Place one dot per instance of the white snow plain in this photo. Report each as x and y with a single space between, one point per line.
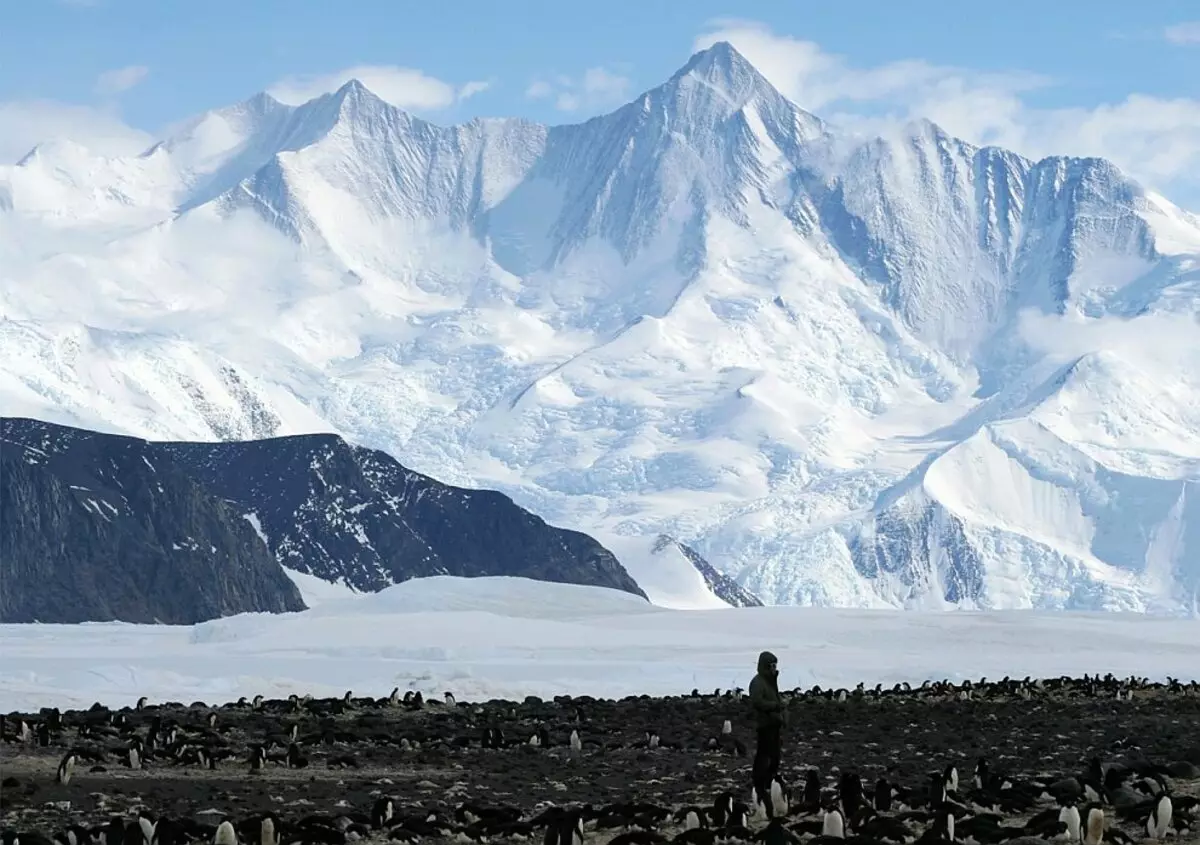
706 314
510 637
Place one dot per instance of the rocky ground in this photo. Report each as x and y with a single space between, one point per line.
433 757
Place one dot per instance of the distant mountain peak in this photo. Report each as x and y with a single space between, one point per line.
721 65
721 69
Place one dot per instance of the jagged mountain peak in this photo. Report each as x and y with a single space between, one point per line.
722 67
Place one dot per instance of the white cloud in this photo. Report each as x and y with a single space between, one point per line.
1183 33
403 87
1155 140
1162 341
596 89
25 124
119 80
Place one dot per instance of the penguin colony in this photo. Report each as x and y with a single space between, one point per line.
1012 762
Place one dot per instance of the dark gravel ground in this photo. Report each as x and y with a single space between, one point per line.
432 757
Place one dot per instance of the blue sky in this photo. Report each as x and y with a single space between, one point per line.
1104 77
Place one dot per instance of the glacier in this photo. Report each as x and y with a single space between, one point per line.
898 371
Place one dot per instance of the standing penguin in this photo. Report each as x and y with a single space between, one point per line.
1159 822
225 835
66 768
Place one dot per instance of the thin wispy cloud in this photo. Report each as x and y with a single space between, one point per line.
1154 139
1183 33
120 80
598 87
405 88
25 124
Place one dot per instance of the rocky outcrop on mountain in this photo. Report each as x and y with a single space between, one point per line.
345 513
96 527
719 584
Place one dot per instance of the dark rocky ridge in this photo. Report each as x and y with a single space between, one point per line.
339 511
97 527
721 585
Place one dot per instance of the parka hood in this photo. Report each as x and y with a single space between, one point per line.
765 660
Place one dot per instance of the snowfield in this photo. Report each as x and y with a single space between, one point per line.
511 637
895 372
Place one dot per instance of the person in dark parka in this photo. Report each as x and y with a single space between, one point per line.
770 718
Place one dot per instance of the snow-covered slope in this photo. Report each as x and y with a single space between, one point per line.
482 638
899 371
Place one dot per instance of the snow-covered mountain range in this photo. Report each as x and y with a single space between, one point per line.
898 371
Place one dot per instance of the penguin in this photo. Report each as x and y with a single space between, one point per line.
147 825
268 831
850 794
726 728
294 759
1069 815
1093 833
394 698
833 824
779 801
74 835
382 812
951 778
113 833
448 697
66 768
1159 822
257 702
258 758
225 834
565 830
43 734
133 757
881 799
141 704
169 832
576 744
722 809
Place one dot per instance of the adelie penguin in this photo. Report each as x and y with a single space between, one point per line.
133 754
148 827
1159 823
225 834
1093 831
66 768
1069 816
833 824
565 830
382 812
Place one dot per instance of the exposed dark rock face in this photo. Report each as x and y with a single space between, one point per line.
96 527
339 511
722 586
